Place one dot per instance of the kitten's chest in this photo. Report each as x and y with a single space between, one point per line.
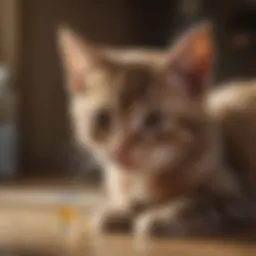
139 190
147 189
128 188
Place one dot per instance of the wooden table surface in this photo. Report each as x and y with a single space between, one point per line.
38 229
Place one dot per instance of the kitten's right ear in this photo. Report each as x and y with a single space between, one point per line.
191 60
78 58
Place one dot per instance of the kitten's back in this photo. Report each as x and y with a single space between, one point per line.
234 106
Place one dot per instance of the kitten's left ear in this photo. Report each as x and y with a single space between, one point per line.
191 60
79 58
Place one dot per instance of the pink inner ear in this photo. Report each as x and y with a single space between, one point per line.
76 78
190 76
192 69
81 66
197 82
78 83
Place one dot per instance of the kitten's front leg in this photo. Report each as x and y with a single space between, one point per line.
182 217
117 213
162 217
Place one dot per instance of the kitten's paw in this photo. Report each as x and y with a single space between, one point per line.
180 224
144 225
161 221
148 225
112 220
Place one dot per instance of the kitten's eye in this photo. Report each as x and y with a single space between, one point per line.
153 120
102 120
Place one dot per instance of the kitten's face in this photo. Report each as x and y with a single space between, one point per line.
138 110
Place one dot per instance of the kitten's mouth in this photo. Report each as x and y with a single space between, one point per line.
144 159
131 159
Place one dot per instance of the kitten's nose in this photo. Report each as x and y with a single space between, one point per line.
121 153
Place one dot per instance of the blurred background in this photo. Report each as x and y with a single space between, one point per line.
36 141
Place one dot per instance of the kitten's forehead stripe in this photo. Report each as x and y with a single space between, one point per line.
136 85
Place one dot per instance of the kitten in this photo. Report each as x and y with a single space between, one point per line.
142 114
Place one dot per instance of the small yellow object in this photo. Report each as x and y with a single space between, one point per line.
68 213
